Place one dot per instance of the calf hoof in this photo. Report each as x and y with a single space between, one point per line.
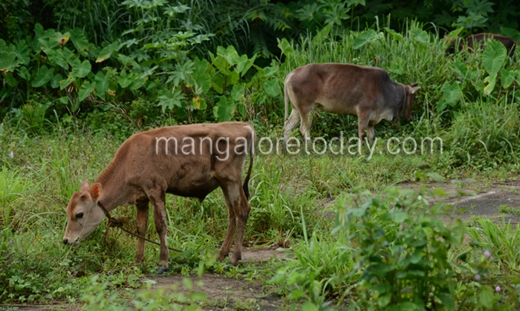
235 258
161 269
222 256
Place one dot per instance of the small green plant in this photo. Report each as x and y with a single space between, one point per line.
401 252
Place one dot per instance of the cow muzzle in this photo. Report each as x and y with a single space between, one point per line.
68 242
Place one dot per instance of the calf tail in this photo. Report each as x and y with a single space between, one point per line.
286 99
248 176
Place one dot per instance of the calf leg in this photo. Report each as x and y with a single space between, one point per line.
305 125
142 226
290 124
238 214
157 197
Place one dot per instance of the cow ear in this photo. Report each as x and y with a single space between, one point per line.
95 191
85 186
414 88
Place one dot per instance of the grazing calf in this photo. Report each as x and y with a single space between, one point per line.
190 161
474 42
365 92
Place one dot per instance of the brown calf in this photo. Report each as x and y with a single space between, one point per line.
474 42
366 92
190 161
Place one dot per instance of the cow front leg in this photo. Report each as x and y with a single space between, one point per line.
142 226
159 214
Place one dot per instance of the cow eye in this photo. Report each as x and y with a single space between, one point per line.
79 215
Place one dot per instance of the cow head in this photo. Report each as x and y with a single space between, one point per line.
83 213
409 96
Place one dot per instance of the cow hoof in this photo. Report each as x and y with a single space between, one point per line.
222 256
161 269
235 258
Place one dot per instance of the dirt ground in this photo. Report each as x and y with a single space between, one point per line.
234 294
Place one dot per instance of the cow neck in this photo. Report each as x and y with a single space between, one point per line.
111 188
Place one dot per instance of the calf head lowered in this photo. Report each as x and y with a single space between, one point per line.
83 213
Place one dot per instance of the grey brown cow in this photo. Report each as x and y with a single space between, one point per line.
474 42
190 161
365 92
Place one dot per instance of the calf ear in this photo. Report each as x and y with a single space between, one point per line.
85 186
414 89
95 191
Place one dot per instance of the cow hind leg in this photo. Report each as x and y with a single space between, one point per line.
305 126
142 226
290 124
238 214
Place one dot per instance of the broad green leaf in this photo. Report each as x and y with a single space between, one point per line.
43 76
64 100
223 111
80 41
286 47
452 93
66 82
199 103
201 82
237 92
200 65
269 71
309 306
272 87
232 78
102 83
217 82
384 300
137 83
229 54
322 35
399 217
405 306
107 51
494 56
363 38
84 91
486 297
7 57
491 80
455 33
55 81
420 35
447 302
395 35
22 53
222 65
508 77
124 79
244 63
82 70
11 80
24 73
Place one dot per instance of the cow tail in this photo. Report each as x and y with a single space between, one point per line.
250 169
286 99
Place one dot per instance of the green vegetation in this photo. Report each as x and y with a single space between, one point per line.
75 86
